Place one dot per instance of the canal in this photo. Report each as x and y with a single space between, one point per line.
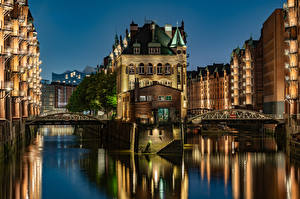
57 164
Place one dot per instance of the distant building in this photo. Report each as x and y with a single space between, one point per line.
209 89
73 77
246 76
69 77
55 96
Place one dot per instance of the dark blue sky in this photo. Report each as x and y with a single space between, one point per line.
76 33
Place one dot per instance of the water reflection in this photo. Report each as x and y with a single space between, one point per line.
21 176
60 165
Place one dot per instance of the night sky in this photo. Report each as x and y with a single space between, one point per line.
76 33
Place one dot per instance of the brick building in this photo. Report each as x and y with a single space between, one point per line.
291 24
246 76
209 88
150 55
273 41
19 61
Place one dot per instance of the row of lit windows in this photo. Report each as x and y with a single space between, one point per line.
160 98
150 69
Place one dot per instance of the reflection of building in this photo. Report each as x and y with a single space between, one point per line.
22 178
19 61
246 76
150 54
56 95
209 88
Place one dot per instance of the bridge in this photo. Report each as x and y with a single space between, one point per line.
64 118
232 116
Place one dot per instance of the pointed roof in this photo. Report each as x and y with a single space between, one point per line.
177 39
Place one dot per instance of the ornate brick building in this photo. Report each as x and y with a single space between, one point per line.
153 59
246 76
209 88
19 61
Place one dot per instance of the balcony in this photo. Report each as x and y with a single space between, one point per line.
7 5
6 28
21 18
6 52
15 69
290 4
21 2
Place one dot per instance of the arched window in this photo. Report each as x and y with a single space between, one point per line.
150 69
168 69
141 68
131 69
159 69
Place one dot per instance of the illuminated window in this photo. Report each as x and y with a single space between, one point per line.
159 69
161 98
150 69
141 68
66 77
143 98
168 98
168 69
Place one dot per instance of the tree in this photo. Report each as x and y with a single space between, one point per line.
94 93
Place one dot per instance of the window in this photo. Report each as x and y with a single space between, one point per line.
149 98
150 69
141 68
163 114
143 99
131 85
168 98
136 51
154 51
168 69
66 77
178 79
161 98
131 69
159 69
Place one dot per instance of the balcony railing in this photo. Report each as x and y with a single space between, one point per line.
7 5
15 69
21 2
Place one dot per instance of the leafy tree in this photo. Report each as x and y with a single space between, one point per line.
94 93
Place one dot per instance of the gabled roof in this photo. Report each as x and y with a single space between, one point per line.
177 39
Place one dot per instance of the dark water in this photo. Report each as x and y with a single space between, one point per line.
60 165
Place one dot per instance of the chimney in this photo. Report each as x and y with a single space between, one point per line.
168 30
133 29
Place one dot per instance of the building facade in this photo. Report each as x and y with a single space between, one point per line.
273 36
291 23
246 76
55 96
150 56
20 87
209 89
